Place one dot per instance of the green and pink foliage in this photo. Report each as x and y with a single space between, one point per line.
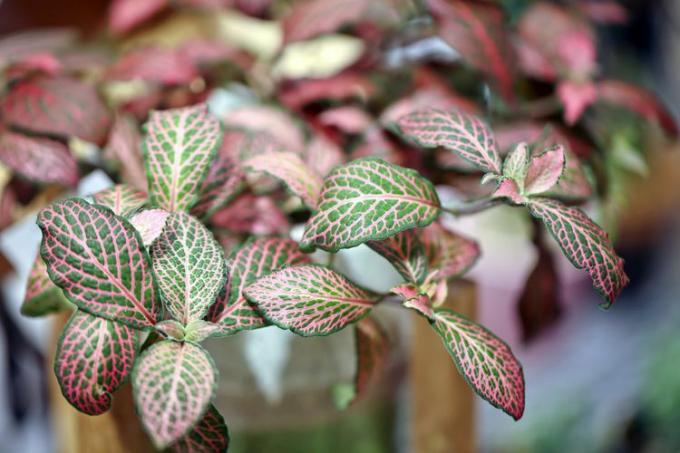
460 133
310 300
189 267
179 148
173 384
98 260
413 296
256 258
39 160
369 199
449 254
276 123
406 253
123 200
94 357
209 435
484 360
42 296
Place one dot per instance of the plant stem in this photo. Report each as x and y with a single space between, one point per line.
473 207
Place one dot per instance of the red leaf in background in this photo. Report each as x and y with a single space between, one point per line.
124 148
308 19
253 7
43 62
296 94
154 64
477 32
124 15
59 106
348 119
262 118
528 131
576 97
638 100
604 11
532 62
252 214
564 40
39 159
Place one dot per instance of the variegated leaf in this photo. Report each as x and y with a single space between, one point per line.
484 360
450 254
154 64
98 260
173 384
292 171
189 267
123 200
263 118
38 159
252 214
57 105
256 258
544 171
585 244
171 329
516 164
123 148
149 223
312 18
94 356
323 155
179 148
310 300
414 298
463 134
199 330
406 253
369 199
42 296
209 435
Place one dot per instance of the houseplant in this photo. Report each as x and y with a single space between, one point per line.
154 275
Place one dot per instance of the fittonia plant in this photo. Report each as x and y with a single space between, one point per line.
150 282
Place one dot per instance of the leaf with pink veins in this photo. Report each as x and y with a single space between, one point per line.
585 244
484 360
42 296
149 223
310 300
94 357
172 386
516 164
99 261
262 118
292 171
123 147
256 258
463 134
414 298
189 267
209 435
122 199
406 253
369 199
544 171
179 148
38 159
450 254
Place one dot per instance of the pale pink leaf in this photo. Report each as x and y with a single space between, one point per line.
262 118
323 155
509 190
310 300
585 244
149 223
458 132
348 119
576 98
123 147
544 171
346 85
312 18
484 360
414 298
124 15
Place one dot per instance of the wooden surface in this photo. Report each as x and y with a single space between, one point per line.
442 404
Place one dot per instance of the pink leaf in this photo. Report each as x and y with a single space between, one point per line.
38 159
604 11
576 97
42 296
463 134
209 435
179 148
414 298
637 100
19 45
98 260
348 119
154 64
173 384
123 200
252 214
406 253
277 123
124 15
484 360
509 190
297 94
369 199
585 244
310 300
256 258
372 349
292 171
149 223
124 147
451 254
544 171
58 106
323 155
477 32
41 62
308 19
94 357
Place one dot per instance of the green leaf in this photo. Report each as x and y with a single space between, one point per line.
406 253
484 360
310 300
516 163
94 357
199 330
42 296
98 260
122 199
209 435
179 148
189 267
171 329
173 384
369 199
